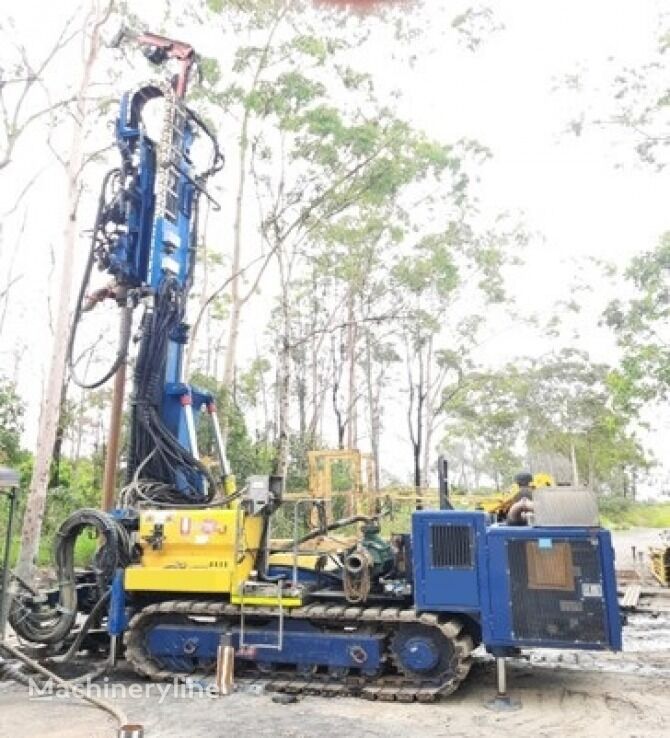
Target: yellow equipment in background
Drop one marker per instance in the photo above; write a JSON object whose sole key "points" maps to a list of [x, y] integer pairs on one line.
{"points": [[659, 560], [360, 469], [500, 504]]}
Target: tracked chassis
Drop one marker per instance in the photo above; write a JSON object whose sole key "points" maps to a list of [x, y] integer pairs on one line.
{"points": [[393, 681]]}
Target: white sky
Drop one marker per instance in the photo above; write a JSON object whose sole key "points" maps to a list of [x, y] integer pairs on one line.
{"points": [[568, 189]]}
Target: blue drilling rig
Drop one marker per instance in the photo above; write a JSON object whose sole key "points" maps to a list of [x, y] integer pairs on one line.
{"points": [[186, 558]]}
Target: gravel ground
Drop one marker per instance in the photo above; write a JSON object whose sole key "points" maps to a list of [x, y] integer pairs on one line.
{"points": [[635, 540]]}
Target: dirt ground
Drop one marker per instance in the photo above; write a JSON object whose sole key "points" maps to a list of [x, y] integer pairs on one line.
{"points": [[561, 694]]}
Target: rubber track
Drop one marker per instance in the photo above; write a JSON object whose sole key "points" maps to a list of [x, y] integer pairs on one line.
{"points": [[384, 688]]}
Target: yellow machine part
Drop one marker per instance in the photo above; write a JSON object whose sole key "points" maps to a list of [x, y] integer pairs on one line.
{"points": [[659, 561], [204, 551], [257, 601], [502, 502], [305, 561]]}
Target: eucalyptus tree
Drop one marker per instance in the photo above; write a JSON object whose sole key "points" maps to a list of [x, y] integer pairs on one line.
{"points": [[640, 320], [449, 283], [96, 15], [560, 405]]}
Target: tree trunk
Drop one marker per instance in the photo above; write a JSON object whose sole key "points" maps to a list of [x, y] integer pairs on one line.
{"points": [[337, 373], [573, 464], [57, 455], [236, 301], [34, 514], [373, 408], [352, 440], [430, 416], [415, 420], [284, 374]]}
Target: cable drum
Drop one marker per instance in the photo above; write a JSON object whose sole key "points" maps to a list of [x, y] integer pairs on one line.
{"points": [[36, 620]]}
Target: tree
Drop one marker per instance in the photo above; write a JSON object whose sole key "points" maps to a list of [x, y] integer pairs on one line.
{"points": [[631, 99], [560, 405], [448, 282], [97, 15], [485, 418], [11, 423], [641, 324], [24, 94]]}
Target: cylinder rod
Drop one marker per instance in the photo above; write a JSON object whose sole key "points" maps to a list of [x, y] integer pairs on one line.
{"points": [[225, 658], [501, 674]]}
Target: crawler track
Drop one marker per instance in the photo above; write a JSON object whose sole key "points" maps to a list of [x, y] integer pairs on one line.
{"points": [[392, 686]]}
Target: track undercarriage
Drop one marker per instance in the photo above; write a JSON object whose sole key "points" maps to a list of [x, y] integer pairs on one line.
{"points": [[421, 656]]}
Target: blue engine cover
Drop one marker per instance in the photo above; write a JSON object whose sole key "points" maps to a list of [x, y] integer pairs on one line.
{"points": [[526, 586]]}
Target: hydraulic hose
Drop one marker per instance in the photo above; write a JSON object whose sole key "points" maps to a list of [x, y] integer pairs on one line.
{"points": [[125, 326], [53, 624], [341, 523], [108, 707], [93, 616]]}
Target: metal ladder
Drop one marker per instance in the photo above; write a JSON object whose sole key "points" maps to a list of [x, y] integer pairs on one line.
{"points": [[279, 644]]}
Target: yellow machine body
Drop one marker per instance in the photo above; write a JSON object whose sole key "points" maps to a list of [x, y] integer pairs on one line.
{"points": [[189, 550]]}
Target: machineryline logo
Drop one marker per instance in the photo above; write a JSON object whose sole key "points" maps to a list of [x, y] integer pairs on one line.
{"points": [[183, 689]]}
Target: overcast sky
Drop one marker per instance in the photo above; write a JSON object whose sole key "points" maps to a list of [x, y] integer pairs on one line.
{"points": [[572, 192]]}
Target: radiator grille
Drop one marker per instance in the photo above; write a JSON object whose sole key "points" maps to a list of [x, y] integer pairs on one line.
{"points": [[451, 546], [556, 591]]}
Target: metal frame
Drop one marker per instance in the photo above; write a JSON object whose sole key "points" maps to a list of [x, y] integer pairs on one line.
{"points": [[9, 484], [279, 645]]}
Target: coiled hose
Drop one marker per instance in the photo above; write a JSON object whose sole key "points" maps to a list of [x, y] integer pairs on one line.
{"points": [[46, 624]]}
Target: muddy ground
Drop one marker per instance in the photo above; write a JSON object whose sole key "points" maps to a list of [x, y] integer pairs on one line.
{"points": [[561, 694]]}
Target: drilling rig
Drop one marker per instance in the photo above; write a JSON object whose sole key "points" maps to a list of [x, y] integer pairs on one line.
{"points": [[186, 559]]}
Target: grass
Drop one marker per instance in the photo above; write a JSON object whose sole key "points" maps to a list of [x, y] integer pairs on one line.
{"points": [[621, 514], [84, 549]]}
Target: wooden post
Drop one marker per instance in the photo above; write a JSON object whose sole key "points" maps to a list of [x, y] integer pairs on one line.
{"points": [[113, 439]]}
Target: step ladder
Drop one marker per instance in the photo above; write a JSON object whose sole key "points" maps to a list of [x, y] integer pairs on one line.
{"points": [[262, 589]]}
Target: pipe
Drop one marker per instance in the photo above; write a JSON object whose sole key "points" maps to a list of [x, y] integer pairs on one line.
{"points": [[518, 511], [113, 438], [225, 660], [108, 707], [357, 561], [501, 673]]}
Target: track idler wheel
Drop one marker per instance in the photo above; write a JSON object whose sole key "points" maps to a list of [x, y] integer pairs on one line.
{"points": [[425, 653]]}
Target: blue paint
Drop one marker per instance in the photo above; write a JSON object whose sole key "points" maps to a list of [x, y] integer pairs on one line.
{"points": [[156, 246], [302, 644], [448, 589], [484, 592], [419, 654], [116, 615], [130, 258]]}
